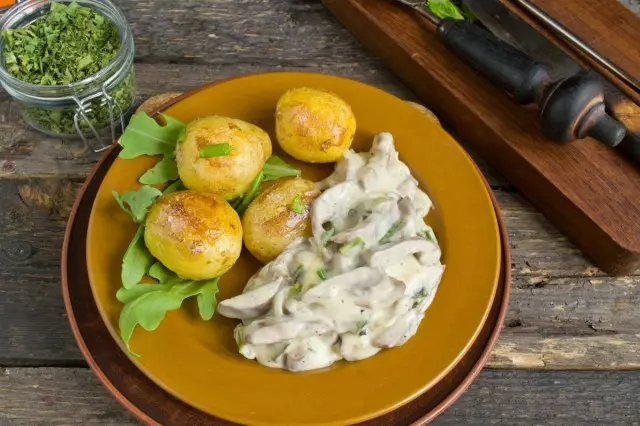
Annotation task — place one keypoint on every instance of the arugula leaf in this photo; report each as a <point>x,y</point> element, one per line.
<point>175,186</point>
<point>150,307</point>
<point>216,150</point>
<point>136,261</point>
<point>144,136</point>
<point>137,203</point>
<point>182,135</point>
<point>165,170</point>
<point>251,193</point>
<point>207,299</point>
<point>296,205</point>
<point>444,9</point>
<point>126,295</point>
<point>276,168</point>
<point>161,273</point>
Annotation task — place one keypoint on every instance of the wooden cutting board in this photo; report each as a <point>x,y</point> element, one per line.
<point>589,191</point>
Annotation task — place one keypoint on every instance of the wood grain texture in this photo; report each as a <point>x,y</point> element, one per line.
<point>496,397</point>
<point>25,153</point>
<point>563,312</point>
<point>587,189</point>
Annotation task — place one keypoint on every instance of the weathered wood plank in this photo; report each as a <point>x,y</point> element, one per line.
<point>563,312</point>
<point>26,153</point>
<point>69,396</point>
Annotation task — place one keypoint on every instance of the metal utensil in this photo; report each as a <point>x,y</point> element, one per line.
<point>570,108</point>
<point>508,26</point>
<point>575,41</point>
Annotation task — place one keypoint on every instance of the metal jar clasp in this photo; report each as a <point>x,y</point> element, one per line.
<point>97,143</point>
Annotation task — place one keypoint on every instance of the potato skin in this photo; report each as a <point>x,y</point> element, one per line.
<point>228,176</point>
<point>269,225</point>
<point>314,125</point>
<point>196,234</point>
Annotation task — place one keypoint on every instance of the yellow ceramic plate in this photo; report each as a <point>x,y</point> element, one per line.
<point>198,361</point>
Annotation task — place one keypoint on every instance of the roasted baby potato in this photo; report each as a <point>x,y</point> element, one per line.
<point>314,125</point>
<point>228,175</point>
<point>278,216</point>
<point>196,234</point>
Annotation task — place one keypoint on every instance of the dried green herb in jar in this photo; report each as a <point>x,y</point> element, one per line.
<point>67,45</point>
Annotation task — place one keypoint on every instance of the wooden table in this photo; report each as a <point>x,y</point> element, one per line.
<point>569,352</point>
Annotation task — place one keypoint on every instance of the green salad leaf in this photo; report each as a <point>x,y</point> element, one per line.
<point>145,136</point>
<point>251,193</point>
<point>165,170</point>
<point>175,186</point>
<point>153,301</point>
<point>136,261</point>
<point>444,9</point>
<point>276,168</point>
<point>137,203</point>
<point>161,273</point>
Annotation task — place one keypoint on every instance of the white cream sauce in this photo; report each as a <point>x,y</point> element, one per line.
<point>361,283</point>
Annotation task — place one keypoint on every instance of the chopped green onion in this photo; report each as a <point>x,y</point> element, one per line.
<point>329,232</point>
<point>352,245</point>
<point>251,193</point>
<point>428,235</point>
<point>239,335</point>
<point>296,205</point>
<point>392,231</point>
<point>298,273</point>
<point>296,289</point>
<point>216,150</point>
<point>322,273</point>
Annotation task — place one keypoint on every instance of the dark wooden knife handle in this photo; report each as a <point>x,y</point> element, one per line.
<point>572,108</point>
<point>506,66</point>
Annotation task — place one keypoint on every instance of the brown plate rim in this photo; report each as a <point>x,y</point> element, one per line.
<point>142,416</point>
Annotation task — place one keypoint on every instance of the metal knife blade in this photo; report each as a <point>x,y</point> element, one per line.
<point>509,27</point>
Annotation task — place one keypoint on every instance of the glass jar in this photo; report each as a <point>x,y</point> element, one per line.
<point>93,108</point>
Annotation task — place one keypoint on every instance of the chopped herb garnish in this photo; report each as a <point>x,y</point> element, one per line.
<point>296,205</point>
<point>216,150</point>
<point>419,297</point>
<point>296,289</point>
<point>392,231</point>
<point>238,333</point>
<point>322,273</point>
<point>329,231</point>
<point>69,44</point>
<point>298,273</point>
<point>428,235</point>
<point>347,248</point>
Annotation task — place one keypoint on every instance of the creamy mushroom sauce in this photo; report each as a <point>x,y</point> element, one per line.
<point>361,283</point>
